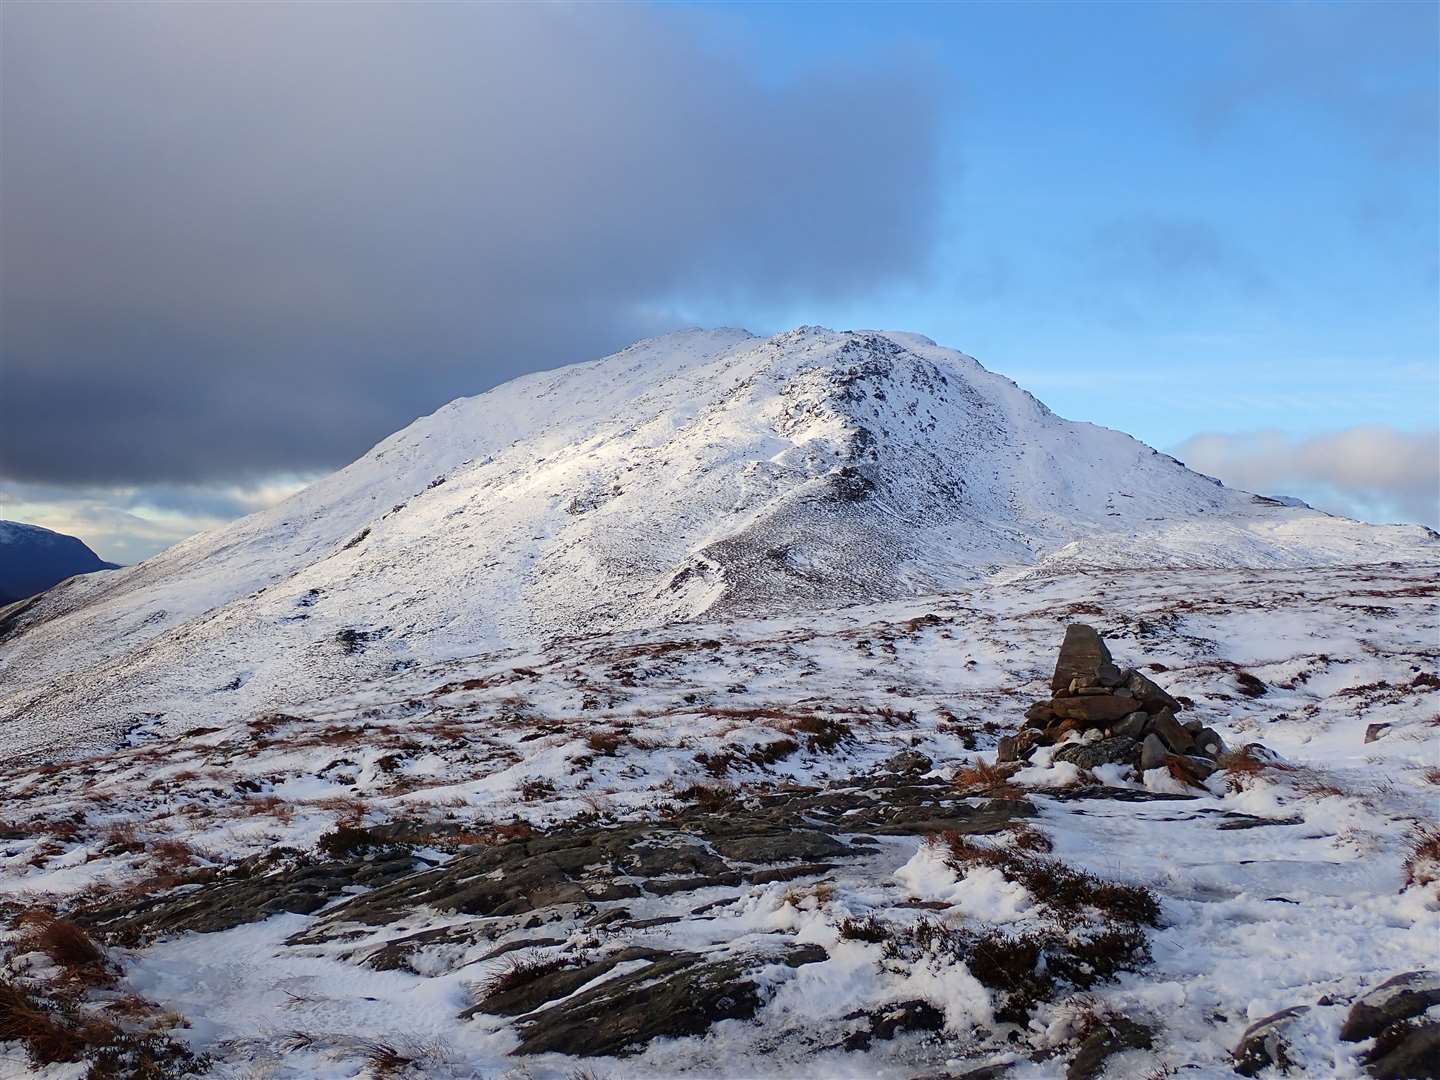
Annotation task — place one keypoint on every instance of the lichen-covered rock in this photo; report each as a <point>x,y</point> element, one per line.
<point>1118,749</point>
<point>909,761</point>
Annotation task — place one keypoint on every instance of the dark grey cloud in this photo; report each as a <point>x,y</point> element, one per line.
<point>256,237</point>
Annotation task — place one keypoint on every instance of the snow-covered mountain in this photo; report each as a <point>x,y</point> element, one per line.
<point>705,473</point>
<point>33,558</point>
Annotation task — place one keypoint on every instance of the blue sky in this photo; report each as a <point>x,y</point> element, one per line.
<point>1169,218</point>
<point>1213,226</point>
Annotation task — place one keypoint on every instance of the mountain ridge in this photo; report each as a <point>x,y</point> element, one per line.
<point>704,473</point>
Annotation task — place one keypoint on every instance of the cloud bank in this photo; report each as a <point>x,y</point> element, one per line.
<point>126,524</point>
<point>1372,472</point>
<point>245,238</point>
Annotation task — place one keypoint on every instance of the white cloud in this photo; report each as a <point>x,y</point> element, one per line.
<point>1373,472</point>
<point>128,524</point>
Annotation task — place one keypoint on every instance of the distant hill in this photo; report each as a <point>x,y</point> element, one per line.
<point>32,559</point>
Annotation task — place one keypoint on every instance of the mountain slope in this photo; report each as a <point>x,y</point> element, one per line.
<point>32,559</point>
<point>707,472</point>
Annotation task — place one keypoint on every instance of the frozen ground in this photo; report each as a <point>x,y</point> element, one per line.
<point>774,840</point>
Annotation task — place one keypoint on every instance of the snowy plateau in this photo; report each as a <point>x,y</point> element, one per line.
<point>642,719</point>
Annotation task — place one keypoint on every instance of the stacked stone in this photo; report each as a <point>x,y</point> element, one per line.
<point>1135,717</point>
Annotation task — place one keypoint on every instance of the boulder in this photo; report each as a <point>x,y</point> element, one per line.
<point>1039,715</point>
<point>1264,1045</point>
<point>909,761</point>
<point>1193,770</point>
<point>1407,1052</point>
<point>1017,747</point>
<point>1375,731</point>
<point>1081,653</point>
<point>1396,999</point>
<point>1209,742</point>
<point>1171,732</point>
<point>1136,725</point>
<point>1151,697</point>
<point>1114,750</point>
<point>1108,674</point>
<point>1095,710</point>
<point>1153,753</point>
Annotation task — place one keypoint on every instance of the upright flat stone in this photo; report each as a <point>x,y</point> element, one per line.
<point>1082,653</point>
<point>1093,711</point>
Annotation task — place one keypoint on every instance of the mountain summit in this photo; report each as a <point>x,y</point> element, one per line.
<point>702,474</point>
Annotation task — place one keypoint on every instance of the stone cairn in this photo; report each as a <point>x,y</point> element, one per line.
<point>1134,716</point>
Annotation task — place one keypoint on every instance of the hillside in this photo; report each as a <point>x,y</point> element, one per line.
<point>772,847</point>
<point>703,474</point>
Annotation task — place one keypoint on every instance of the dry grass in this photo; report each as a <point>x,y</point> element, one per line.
<point>1063,889</point>
<point>797,896</point>
<point>347,809</point>
<point>988,778</point>
<point>1245,766</point>
<point>173,853</point>
<point>1027,838</point>
<point>1422,862</point>
<point>820,734</point>
<point>384,1059</point>
<point>868,929</point>
<point>55,1030</point>
<point>123,838</point>
<point>518,971</point>
<point>271,806</point>
<point>66,944</point>
<point>605,743</point>
<point>711,798</point>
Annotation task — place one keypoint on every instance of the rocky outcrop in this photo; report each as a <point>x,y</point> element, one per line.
<point>1400,998</point>
<point>1102,714</point>
<point>1407,1045</point>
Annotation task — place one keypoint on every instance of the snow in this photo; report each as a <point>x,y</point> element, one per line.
<point>539,597</point>
<point>701,475</point>
<point>982,892</point>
